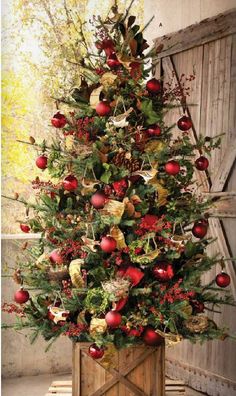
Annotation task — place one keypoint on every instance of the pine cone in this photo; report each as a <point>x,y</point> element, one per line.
<point>124,159</point>
<point>17,276</point>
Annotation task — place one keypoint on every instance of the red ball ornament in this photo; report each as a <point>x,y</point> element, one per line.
<point>199,230</point>
<point>150,337</point>
<point>112,61</point>
<point>55,257</point>
<point>95,352</point>
<point>108,244</point>
<point>223,279</point>
<point>184,123</point>
<point>113,319</point>
<point>21,296</point>
<point>59,120</point>
<point>25,228</point>
<point>202,163</point>
<point>98,200</point>
<point>163,271</point>
<point>70,183</point>
<point>172,167</point>
<point>153,130</point>
<point>103,108</point>
<point>41,162</point>
<point>153,86</point>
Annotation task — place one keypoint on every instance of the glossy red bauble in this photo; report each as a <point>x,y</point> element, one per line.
<point>184,123</point>
<point>150,337</point>
<point>163,271</point>
<point>70,183</point>
<point>112,61</point>
<point>202,163</point>
<point>103,108</point>
<point>41,162</point>
<point>108,244</point>
<point>25,228</point>
<point>21,296</point>
<point>153,86</point>
<point>134,274</point>
<point>56,257</point>
<point>59,120</point>
<point>153,130</point>
<point>172,167</point>
<point>98,200</point>
<point>223,279</point>
<point>113,319</point>
<point>95,352</point>
<point>199,230</point>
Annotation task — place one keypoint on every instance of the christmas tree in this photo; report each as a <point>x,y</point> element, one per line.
<point>123,230</point>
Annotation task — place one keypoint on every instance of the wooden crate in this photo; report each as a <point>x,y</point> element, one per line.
<point>64,388</point>
<point>138,371</point>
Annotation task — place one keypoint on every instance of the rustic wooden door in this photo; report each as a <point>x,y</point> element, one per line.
<point>208,50</point>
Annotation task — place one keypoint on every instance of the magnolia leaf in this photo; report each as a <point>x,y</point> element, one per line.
<point>151,116</point>
<point>133,46</point>
<point>95,97</point>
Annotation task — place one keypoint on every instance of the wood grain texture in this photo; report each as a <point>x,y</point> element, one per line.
<point>209,29</point>
<point>137,371</point>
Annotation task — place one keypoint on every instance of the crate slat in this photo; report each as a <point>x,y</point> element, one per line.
<point>64,388</point>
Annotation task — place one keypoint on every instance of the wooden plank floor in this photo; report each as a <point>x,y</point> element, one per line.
<point>64,388</point>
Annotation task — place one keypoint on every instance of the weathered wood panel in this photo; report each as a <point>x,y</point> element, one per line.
<point>211,104</point>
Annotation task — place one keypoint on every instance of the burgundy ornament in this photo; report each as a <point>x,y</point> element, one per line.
<point>25,228</point>
<point>103,108</point>
<point>172,167</point>
<point>70,183</point>
<point>108,47</point>
<point>120,187</point>
<point>198,306</point>
<point>202,163</point>
<point>41,162</point>
<point>153,130</point>
<point>184,123</point>
<point>98,200</point>
<point>21,296</point>
<point>112,61</point>
<point>199,230</point>
<point>150,337</point>
<point>163,271</point>
<point>58,120</point>
<point>95,352</point>
<point>113,319</point>
<point>153,86</point>
<point>108,244</point>
<point>223,280</point>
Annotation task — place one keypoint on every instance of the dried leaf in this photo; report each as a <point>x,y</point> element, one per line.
<point>95,97</point>
<point>118,235</point>
<point>75,273</point>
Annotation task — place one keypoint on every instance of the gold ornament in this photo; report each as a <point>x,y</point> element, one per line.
<point>154,146</point>
<point>113,208</point>
<point>147,257</point>
<point>42,261</point>
<point>97,326</point>
<point>171,339</point>
<point>197,324</point>
<point>75,273</point>
<point>108,79</point>
<point>95,97</point>
<point>118,235</point>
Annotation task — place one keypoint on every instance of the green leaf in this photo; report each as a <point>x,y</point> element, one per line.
<point>147,109</point>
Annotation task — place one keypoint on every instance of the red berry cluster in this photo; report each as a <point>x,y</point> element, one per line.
<point>152,223</point>
<point>74,330</point>
<point>12,308</point>
<point>174,293</point>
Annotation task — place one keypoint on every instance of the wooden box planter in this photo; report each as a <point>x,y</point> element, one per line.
<point>138,371</point>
